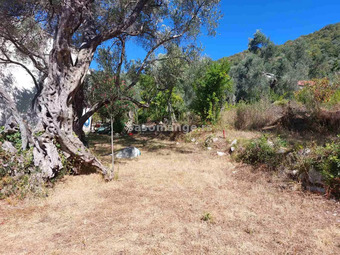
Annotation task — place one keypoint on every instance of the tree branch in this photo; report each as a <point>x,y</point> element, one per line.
<point>10,61</point>
<point>126,24</point>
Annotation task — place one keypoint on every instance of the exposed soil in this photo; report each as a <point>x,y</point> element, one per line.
<point>174,199</point>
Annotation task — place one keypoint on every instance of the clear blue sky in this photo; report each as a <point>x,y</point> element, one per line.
<point>281,20</point>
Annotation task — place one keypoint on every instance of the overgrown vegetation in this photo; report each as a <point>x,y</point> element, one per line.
<point>263,151</point>
<point>326,160</point>
<point>18,175</point>
<point>317,167</point>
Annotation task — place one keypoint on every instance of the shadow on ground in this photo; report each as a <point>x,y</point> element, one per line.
<point>150,142</point>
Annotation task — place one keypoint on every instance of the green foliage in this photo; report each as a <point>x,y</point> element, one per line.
<point>317,93</point>
<point>261,45</point>
<point>13,138</point>
<point>326,160</point>
<point>323,159</point>
<point>263,151</point>
<point>211,91</point>
<point>18,176</point>
<point>250,84</point>
<point>335,98</point>
<point>158,107</point>
<point>104,85</point>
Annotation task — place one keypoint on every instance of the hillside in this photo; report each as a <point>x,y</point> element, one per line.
<point>308,57</point>
<point>325,43</point>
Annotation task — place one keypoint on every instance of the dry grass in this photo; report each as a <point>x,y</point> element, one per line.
<point>157,205</point>
<point>251,116</point>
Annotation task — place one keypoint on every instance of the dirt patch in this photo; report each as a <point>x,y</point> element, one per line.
<point>157,204</point>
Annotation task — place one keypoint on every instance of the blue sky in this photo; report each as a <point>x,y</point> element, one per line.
<point>281,20</point>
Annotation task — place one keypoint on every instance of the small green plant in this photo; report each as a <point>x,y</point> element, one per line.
<point>207,217</point>
<point>39,133</point>
<point>18,175</point>
<point>335,98</point>
<point>14,138</point>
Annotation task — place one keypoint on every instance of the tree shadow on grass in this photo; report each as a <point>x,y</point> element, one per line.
<point>150,142</point>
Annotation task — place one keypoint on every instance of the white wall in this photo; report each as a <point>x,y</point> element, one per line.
<point>14,77</point>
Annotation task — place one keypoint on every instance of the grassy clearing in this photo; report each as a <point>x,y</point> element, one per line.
<point>174,199</point>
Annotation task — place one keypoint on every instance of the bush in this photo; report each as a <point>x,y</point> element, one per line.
<point>335,99</point>
<point>318,92</point>
<point>263,151</point>
<point>275,155</point>
<point>15,138</point>
<point>18,176</point>
<point>326,160</point>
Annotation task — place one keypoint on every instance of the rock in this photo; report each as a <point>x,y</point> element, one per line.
<point>233,142</point>
<point>295,172</point>
<point>193,140</point>
<point>208,141</point>
<point>317,189</point>
<point>215,139</point>
<point>219,153</point>
<point>315,177</point>
<point>11,126</point>
<point>270,143</point>
<point>129,152</point>
<point>208,148</point>
<point>7,146</point>
<point>291,173</point>
<point>305,152</point>
<point>282,150</point>
<point>232,149</point>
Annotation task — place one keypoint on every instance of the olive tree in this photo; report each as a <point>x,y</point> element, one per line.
<point>61,37</point>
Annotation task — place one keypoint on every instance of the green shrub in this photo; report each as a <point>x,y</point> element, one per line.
<point>263,151</point>
<point>335,98</point>
<point>13,138</point>
<point>326,160</point>
<point>211,91</point>
<point>18,176</point>
<point>319,92</point>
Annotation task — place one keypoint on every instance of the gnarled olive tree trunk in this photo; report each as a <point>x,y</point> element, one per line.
<point>54,134</point>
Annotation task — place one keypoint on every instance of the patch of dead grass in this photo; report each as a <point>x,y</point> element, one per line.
<point>156,206</point>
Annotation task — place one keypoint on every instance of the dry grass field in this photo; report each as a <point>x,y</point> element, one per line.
<point>174,199</point>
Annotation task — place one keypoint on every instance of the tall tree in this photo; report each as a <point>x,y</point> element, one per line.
<point>61,37</point>
<point>212,91</point>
